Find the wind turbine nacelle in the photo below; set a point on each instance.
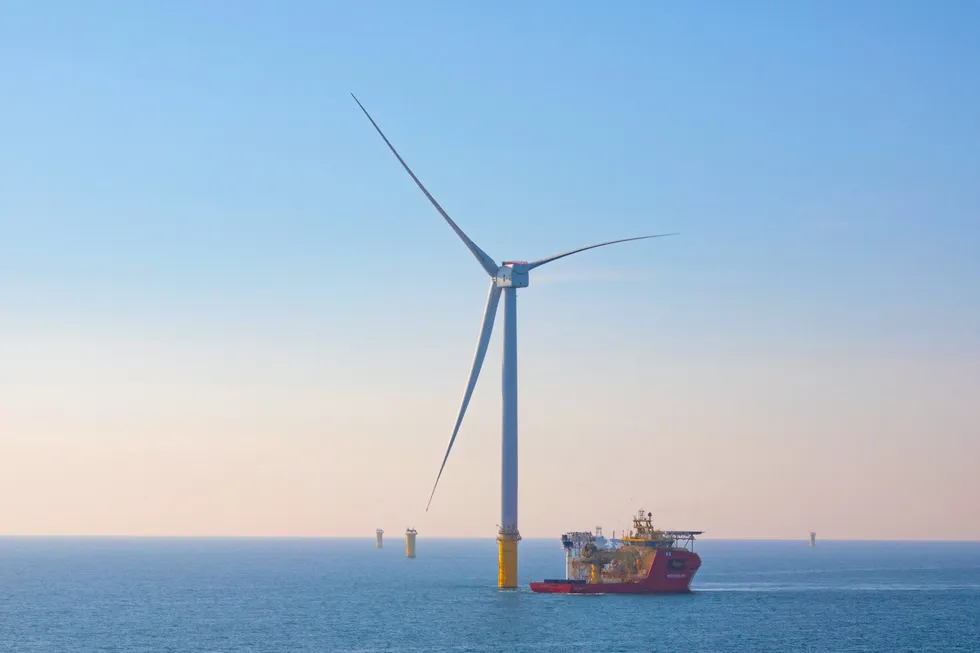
(512, 274)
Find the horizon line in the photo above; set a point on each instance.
(123, 536)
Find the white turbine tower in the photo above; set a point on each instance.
(507, 278)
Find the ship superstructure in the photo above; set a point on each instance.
(645, 560)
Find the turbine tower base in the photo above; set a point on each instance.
(507, 558)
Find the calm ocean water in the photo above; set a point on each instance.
(268, 595)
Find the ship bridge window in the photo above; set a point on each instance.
(675, 563)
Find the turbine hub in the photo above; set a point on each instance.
(512, 274)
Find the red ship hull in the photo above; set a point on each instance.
(671, 571)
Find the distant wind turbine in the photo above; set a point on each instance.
(506, 277)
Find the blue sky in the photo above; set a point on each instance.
(196, 176)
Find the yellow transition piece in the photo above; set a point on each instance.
(507, 560)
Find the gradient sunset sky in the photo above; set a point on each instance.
(226, 310)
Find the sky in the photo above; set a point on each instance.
(226, 310)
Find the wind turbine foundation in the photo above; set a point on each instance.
(379, 537)
(507, 559)
(410, 534)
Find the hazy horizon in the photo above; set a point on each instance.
(389, 542)
(225, 309)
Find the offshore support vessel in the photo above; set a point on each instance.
(644, 561)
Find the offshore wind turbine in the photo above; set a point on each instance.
(505, 278)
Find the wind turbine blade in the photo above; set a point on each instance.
(481, 351)
(540, 262)
(484, 259)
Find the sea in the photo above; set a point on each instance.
(66, 595)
